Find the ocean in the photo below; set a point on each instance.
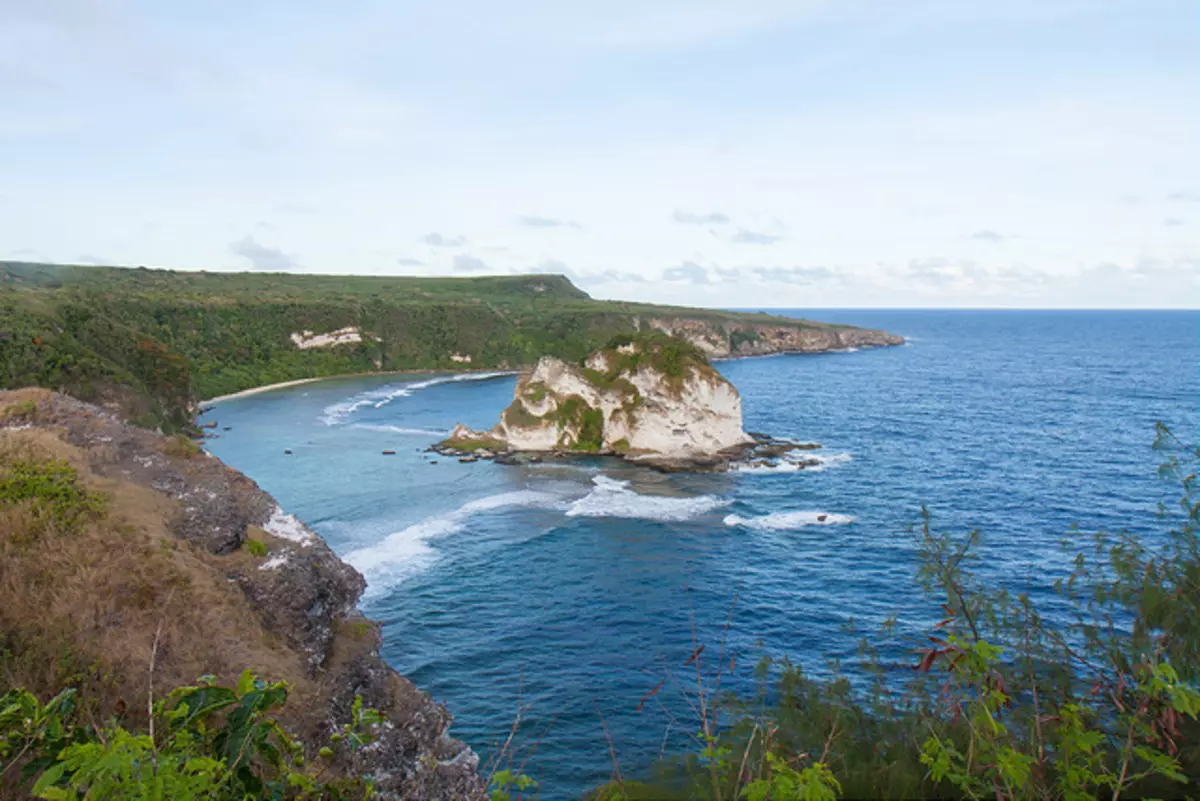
(564, 593)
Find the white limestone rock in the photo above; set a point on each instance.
(624, 401)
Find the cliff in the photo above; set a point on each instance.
(647, 397)
(189, 561)
(151, 343)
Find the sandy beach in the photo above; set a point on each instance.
(264, 388)
(281, 385)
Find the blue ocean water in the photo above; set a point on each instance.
(568, 591)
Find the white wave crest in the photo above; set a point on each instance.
(613, 498)
(795, 462)
(416, 432)
(377, 398)
(787, 521)
(828, 460)
(406, 552)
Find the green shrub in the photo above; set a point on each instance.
(53, 490)
(180, 447)
(206, 742)
(255, 547)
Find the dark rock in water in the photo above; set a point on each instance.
(468, 459)
(433, 461)
(822, 518)
(389, 453)
(227, 428)
(285, 450)
(213, 424)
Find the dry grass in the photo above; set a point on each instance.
(81, 608)
(21, 407)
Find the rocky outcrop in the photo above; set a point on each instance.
(297, 605)
(647, 398)
(719, 341)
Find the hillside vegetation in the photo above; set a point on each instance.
(152, 342)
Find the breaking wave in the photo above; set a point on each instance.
(406, 552)
(376, 398)
(416, 432)
(795, 463)
(787, 521)
(612, 498)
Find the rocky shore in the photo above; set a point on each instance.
(286, 608)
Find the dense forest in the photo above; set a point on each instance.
(152, 342)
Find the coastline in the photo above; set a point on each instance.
(256, 390)
(449, 371)
(297, 382)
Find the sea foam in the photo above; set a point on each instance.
(787, 521)
(415, 432)
(797, 461)
(406, 552)
(612, 498)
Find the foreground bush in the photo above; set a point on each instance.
(204, 741)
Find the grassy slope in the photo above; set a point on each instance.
(152, 341)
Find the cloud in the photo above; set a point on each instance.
(407, 261)
(439, 241)
(689, 272)
(552, 267)
(1172, 222)
(942, 272)
(96, 260)
(556, 267)
(464, 263)
(531, 221)
(611, 277)
(744, 237)
(795, 275)
(989, 236)
(264, 258)
(712, 218)
(1184, 197)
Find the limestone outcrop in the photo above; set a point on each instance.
(647, 397)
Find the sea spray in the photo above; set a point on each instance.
(613, 498)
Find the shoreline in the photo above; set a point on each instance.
(297, 382)
(245, 393)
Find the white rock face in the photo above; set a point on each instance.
(643, 412)
(343, 336)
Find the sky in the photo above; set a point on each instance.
(735, 153)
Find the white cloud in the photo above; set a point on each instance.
(264, 258)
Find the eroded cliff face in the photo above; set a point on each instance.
(167, 565)
(649, 398)
(719, 342)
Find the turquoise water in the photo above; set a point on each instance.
(570, 590)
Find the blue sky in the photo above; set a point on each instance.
(1024, 153)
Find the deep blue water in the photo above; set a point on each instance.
(569, 591)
